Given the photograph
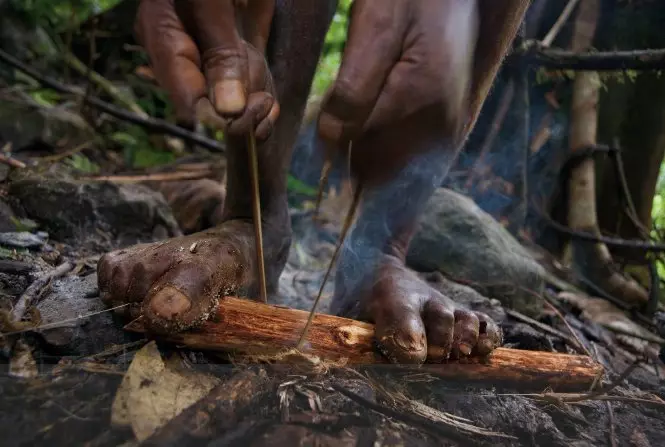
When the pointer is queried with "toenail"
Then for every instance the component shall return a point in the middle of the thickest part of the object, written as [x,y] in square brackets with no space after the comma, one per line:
[407,342]
[465,349]
[169,303]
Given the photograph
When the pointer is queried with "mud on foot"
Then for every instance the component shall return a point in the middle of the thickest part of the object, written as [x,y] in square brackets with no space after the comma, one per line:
[175,284]
[414,322]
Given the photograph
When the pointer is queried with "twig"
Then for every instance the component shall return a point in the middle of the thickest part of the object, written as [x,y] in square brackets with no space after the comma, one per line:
[159,177]
[614,242]
[550,330]
[256,205]
[149,123]
[410,419]
[104,84]
[12,162]
[554,31]
[345,229]
[58,324]
[556,311]
[35,288]
[68,153]
[600,61]
[497,123]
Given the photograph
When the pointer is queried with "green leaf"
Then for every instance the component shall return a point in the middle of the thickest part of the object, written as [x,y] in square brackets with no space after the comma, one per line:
[297,186]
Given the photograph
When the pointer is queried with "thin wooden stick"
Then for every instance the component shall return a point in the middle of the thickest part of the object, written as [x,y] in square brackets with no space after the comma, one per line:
[345,229]
[565,15]
[32,292]
[245,327]
[256,203]
[12,162]
[157,177]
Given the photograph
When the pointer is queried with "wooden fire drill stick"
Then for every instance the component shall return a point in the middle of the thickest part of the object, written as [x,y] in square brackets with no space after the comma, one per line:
[256,203]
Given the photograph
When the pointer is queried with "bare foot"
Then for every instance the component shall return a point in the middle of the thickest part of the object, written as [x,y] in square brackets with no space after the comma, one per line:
[414,322]
[175,284]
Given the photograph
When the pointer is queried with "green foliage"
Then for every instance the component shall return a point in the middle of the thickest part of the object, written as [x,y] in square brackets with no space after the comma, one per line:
[299,187]
[59,15]
[83,164]
[332,50]
[138,151]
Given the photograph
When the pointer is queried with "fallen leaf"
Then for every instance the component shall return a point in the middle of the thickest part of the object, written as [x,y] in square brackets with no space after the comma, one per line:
[22,365]
[154,392]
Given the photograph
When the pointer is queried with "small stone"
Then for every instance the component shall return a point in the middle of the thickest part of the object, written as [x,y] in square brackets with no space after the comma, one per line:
[22,239]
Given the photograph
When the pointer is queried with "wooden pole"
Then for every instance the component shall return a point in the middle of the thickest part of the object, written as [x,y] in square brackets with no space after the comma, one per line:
[244,327]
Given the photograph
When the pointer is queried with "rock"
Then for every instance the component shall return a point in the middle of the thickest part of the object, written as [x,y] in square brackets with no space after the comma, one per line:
[71,298]
[465,243]
[522,336]
[26,123]
[71,211]
[7,218]
[23,239]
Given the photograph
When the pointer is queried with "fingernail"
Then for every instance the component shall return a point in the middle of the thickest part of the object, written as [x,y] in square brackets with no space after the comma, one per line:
[229,97]
[170,303]
[465,349]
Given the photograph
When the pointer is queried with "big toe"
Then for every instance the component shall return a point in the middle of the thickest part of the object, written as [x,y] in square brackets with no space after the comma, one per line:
[400,335]
[186,295]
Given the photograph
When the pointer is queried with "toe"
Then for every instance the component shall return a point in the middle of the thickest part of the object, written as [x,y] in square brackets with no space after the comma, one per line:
[185,296]
[490,335]
[400,334]
[467,328]
[440,323]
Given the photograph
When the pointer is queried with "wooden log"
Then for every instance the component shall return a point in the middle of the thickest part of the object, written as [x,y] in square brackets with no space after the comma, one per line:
[244,327]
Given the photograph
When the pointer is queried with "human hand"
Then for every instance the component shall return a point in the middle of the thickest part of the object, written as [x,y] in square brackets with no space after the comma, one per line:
[403,84]
[210,72]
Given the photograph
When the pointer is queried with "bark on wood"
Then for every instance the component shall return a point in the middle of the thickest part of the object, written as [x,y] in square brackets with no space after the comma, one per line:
[246,327]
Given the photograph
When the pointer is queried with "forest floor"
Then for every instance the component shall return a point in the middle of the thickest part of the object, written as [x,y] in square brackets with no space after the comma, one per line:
[71,374]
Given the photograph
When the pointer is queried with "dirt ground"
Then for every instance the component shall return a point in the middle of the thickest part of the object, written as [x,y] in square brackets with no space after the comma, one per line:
[79,379]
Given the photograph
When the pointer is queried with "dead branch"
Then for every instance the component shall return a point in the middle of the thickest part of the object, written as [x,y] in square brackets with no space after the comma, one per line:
[576,345]
[152,124]
[32,292]
[12,162]
[160,177]
[556,28]
[249,328]
[220,410]
[415,420]
[601,61]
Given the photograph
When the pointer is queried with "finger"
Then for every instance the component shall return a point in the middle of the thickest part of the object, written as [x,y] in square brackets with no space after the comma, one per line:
[440,324]
[256,18]
[174,57]
[467,328]
[258,108]
[490,336]
[223,54]
[400,334]
[265,127]
[373,47]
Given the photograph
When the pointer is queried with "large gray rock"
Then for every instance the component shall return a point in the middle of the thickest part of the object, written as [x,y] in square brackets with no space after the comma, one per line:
[77,212]
[466,244]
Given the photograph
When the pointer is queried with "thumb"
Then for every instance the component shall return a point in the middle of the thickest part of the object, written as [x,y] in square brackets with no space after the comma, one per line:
[223,54]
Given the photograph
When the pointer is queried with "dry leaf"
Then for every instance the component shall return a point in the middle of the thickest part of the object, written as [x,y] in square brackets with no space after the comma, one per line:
[154,392]
[22,365]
